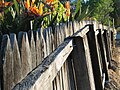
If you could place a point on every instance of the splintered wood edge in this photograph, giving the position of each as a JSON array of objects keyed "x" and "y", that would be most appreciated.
[
  {"x": 48, "y": 69},
  {"x": 82, "y": 32}
]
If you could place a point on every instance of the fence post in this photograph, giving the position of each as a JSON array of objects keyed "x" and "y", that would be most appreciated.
[
  {"x": 95, "y": 57},
  {"x": 107, "y": 46},
  {"x": 103, "y": 54},
  {"x": 83, "y": 77}
]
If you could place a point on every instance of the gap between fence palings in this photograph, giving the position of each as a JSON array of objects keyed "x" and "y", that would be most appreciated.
[
  {"x": 45, "y": 73},
  {"x": 48, "y": 76},
  {"x": 39, "y": 44},
  {"x": 27, "y": 51}
]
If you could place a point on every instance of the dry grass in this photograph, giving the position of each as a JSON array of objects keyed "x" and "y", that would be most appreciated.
[{"x": 114, "y": 72}]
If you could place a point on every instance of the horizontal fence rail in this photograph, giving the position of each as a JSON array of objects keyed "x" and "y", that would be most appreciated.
[{"x": 63, "y": 58}]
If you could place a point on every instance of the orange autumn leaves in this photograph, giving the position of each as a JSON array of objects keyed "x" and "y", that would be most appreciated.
[
  {"x": 67, "y": 6},
  {"x": 31, "y": 7},
  {"x": 49, "y": 1},
  {"x": 4, "y": 4}
]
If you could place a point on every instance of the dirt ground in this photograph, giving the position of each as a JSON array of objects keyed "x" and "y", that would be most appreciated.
[{"x": 114, "y": 72}]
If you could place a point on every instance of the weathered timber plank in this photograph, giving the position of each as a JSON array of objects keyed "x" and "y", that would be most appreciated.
[
  {"x": 79, "y": 25},
  {"x": 61, "y": 79},
  {"x": 53, "y": 41},
  {"x": 67, "y": 30},
  {"x": 89, "y": 63},
  {"x": 71, "y": 72},
  {"x": 54, "y": 84},
  {"x": 65, "y": 77},
  {"x": 95, "y": 57},
  {"x": 39, "y": 47},
  {"x": 110, "y": 44},
  {"x": 50, "y": 35},
  {"x": 103, "y": 54},
  {"x": 32, "y": 49},
  {"x": 7, "y": 59},
  {"x": 25, "y": 53},
  {"x": 42, "y": 33},
  {"x": 80, "y": 64},
  {"x": 70, "y": 28},
  {"x": 74, "y": 27},
  {"x": 81, "y": 32},
  {"x": 54, "y": 36},
  {"x": 58, "y": 63},
  {"x": 62, "y": 31},
  {"x": 59, "y": 37},
  {"x": 16, "y": 59},
  {"x": 107, "y": 47},
  {"x": 48, "y": 69},
  {"x": 112, "y": 36},
  {"x": 58, "y": 81},
  {"x": 47, "y": 40}
]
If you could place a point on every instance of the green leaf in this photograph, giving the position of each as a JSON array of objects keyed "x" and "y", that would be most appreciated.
[
  {"x": 78, "y": 9},
  {"x": 16, "y": 6},
  {"x": 53, "y": 20}
]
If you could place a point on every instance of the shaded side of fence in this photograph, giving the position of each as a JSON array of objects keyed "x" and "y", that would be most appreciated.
[{"x": 21, "y": 55}]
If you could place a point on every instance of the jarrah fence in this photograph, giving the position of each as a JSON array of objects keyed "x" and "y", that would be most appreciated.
[{"x": 72, "y": 56}]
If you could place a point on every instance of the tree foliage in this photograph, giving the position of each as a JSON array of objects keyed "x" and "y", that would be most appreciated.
[
  {"x": 101, "y": 9},
  {"x": 116, "y": 13}
]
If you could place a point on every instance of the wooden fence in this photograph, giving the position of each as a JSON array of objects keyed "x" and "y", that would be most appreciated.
[{"x": 71, "y": 56}]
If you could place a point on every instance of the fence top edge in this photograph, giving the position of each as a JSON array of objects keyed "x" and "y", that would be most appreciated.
[{"x": 32, "y": 77}]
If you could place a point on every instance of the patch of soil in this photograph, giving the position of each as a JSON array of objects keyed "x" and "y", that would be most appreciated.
[{"x": 114, "y": 72}]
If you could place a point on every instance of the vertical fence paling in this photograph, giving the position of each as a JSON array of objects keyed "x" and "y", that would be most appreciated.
[
  {"x": 107, "y": 46},
  {"x": 81, "y": 64},
  {"x": 19, "y": 57},
  {"x": 32, "y": 49},
  {"x": 95, "y": 58},
  {"x": 103, "y": 53},
  {"x": 17, "y": 64},
  {"x": 8, "y": 63}
]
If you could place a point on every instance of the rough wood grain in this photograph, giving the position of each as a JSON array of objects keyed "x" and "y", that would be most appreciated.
[
  {"x": 47, "y": 40},
  {"x": 39, "y": 48},
  {"x": 7, "y": 58},
  {"x": 70, "y": 29},
  {"x": 81, "y": 64},
  {"x": 71, "y": 72},
  {"x": 103, "y": 54},
  {"x": 107, "y": 47},
  {"x": 58, "y": 81},
  {"x": 61, "y": 79},
  {"x": 88, "y": 62},
  {"x": 16, "y": 59},
  {"x": 42, "y": 34},
  {"x": 25, "y": 54},
  {"x": 95, "y": 58},
  {"x": 54, "y": 84},
  {"x": 48, "y": 69},
  {"x": 62, "y": 32},
  {"x": 55, "y": 70},
  {"x": 65, "y": 76},
  {"x": 32, "y": 49}
]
